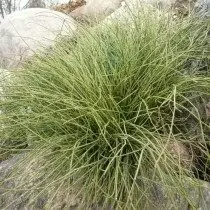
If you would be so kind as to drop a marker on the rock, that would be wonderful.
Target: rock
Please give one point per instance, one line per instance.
(180, 153)
(159, 3)
(121, 8)
(132, 7)
(69, 7)
(197, 191)
(11, 198)
(196, 195)
(78, 13)
(35, 4)
(202, 8)
(96, 9)
(6, 198)
(25, 32)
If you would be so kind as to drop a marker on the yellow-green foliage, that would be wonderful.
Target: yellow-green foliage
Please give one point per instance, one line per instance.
(98, 115)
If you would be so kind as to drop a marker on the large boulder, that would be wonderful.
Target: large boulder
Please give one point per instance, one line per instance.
(101, 7)
(131, 7)
(96, 9)
(28, 31)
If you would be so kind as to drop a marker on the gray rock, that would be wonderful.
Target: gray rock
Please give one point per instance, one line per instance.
(96, 9)
(130, 8)
(35, 4)
(202, 8)
(14, 197)
(9, 200)
(198, 193)
(26, 32)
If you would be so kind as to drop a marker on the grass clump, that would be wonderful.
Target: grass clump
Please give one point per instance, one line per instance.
(111, 115)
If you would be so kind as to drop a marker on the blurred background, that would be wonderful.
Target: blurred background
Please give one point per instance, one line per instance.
(9, 6)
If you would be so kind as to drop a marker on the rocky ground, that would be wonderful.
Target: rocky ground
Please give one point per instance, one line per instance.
(199, 192)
